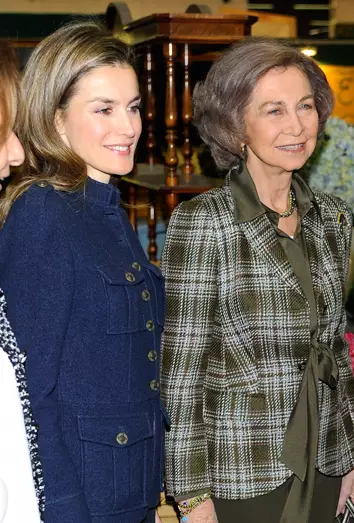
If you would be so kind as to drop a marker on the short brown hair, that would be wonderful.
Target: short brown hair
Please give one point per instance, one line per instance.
(9, 89)
(220, 101)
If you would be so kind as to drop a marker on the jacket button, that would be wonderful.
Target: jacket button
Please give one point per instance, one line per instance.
(154, 385)
(146, 295)
(152, 355)
(42, 183)
(150, 325)
(129, 276)
(122, 438)
(136, 266)
(301, 366)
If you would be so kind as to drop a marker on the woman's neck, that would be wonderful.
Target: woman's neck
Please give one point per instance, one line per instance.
(272, 186)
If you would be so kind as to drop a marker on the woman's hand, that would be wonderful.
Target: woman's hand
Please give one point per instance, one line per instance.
(204, 513)
(346, 491)
(157, 518)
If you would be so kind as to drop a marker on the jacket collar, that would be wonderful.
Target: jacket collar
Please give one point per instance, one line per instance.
(101, 194)
(247, 205)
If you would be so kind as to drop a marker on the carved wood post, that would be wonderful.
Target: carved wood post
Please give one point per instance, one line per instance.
(187, 167)
(150, 110)
(152, 249)
(170, 53)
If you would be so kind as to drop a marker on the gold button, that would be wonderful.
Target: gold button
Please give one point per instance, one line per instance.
(154, 385)
(152, 355)
(129, 276)
(146, 295)
(136, 266)
(150, 325)
(122, 438)
(42, 183)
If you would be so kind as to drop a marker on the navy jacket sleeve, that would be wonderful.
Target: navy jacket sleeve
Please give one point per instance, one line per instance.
(37, 276)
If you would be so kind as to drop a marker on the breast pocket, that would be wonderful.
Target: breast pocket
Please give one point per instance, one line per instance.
(116, 459)
(125, 291)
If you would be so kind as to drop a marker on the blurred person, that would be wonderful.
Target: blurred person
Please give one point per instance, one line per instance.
(21, 482)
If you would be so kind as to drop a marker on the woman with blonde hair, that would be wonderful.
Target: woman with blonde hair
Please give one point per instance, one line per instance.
(21, 482)
(92, 306)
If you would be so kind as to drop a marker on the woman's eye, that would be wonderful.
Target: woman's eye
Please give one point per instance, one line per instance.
(105, 110)
(135, 108)
(274, 112)
(306, 106)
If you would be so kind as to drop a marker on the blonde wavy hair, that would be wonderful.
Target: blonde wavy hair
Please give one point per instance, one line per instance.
(49, 82)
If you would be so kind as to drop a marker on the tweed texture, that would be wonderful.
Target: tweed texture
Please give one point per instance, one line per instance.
(17, 358)
(236, 335)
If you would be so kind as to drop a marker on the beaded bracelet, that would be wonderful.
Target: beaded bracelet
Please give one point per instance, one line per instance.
(185, 507)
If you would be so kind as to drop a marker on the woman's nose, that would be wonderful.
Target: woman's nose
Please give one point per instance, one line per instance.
(15, 151)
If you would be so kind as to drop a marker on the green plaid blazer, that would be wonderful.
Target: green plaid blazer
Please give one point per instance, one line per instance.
(236, 333)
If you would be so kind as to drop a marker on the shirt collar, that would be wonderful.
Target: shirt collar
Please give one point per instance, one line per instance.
(247, 205)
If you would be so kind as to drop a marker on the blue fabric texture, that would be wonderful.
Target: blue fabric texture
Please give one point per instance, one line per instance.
(88, 308)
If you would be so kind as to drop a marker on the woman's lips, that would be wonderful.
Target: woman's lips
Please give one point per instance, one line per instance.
(292, 148)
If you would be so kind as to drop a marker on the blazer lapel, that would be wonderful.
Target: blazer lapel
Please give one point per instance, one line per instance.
(316, 245)
(325, 277)
(263, 240)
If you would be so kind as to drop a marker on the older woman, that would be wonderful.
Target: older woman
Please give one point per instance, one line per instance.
(21, 483)
(255, 370)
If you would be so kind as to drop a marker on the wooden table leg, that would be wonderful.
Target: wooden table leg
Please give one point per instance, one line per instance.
(170, 53)
(152, 248)
(150, 109)
(171, 202)
(187, 167)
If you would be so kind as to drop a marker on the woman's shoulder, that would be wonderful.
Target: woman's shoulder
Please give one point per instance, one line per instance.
(213, 202)
(37, 215)
(40, 194)
(40, 202)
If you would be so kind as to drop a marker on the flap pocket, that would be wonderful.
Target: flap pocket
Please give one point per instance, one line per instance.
(119, 432)
(124, 288)
(119, 276)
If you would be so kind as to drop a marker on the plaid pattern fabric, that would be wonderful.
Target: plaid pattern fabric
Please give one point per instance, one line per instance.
(236, 335)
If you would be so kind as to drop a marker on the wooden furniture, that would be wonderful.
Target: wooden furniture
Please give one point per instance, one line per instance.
(170, 45)
(268, 23)
(152, 179)
(166, 41)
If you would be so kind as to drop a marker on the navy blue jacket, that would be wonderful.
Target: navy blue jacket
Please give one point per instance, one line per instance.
(88, 308)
